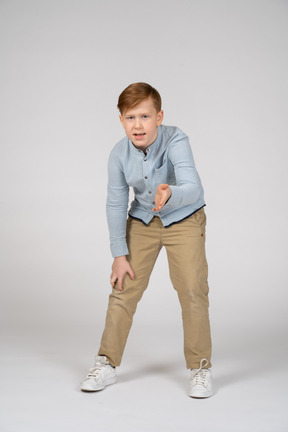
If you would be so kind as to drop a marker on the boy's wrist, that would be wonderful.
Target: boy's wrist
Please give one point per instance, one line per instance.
(170, 193)
(120, 258)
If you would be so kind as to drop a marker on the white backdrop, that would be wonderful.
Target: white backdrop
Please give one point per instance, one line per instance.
(221, 68)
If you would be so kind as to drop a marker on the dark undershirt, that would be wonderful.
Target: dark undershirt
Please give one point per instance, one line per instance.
(173, 223)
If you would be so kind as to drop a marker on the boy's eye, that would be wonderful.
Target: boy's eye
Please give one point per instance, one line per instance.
(145, 116)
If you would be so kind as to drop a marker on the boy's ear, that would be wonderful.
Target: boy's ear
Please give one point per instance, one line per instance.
(121, 119)
(160, 116)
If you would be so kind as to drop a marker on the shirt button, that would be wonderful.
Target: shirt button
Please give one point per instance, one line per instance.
(146, 177)
(153, 202)
(150, 192)
(144, 160)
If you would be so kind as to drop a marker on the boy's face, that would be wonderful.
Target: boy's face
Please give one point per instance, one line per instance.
(141, 123)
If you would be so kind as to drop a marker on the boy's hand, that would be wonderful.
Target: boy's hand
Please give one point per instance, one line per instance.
(120, 267)
(163, 193)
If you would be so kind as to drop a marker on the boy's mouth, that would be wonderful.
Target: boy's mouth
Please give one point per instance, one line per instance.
(139, 136)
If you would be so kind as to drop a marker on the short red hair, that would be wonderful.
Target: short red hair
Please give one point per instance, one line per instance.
(136, 93)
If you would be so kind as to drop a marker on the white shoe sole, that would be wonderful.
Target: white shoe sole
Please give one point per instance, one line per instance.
(201, 395)
(107, 382)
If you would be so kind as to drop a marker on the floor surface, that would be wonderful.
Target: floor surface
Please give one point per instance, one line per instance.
(40, 391)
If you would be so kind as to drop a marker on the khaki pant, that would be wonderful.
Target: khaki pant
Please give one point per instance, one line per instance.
(185, 246)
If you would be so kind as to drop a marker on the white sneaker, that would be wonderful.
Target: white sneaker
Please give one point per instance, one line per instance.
(201, 381)
(101, 375)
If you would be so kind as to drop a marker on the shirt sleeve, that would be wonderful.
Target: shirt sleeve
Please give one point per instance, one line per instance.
(188, 186)
(117, 206)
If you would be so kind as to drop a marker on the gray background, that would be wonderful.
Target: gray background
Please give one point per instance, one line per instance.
(221, 68)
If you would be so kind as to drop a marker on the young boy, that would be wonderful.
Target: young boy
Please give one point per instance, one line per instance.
(168, 210)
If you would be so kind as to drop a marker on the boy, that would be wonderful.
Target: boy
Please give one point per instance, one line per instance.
(168, 210)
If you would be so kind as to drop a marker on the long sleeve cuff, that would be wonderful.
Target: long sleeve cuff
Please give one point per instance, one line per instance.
(119, 248)
(182, 195)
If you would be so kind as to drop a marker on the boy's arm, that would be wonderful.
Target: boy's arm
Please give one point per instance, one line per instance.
(116, 208)
(188, 184)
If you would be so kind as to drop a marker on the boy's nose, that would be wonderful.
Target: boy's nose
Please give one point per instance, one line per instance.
(138, 123)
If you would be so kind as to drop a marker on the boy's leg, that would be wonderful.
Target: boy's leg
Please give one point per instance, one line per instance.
(144, 243)
(185, 245)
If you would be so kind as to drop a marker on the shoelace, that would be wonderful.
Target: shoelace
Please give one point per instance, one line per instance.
(199, 375)
(95, 372)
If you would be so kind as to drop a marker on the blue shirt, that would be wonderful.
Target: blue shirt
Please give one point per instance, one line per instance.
(168, 160)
